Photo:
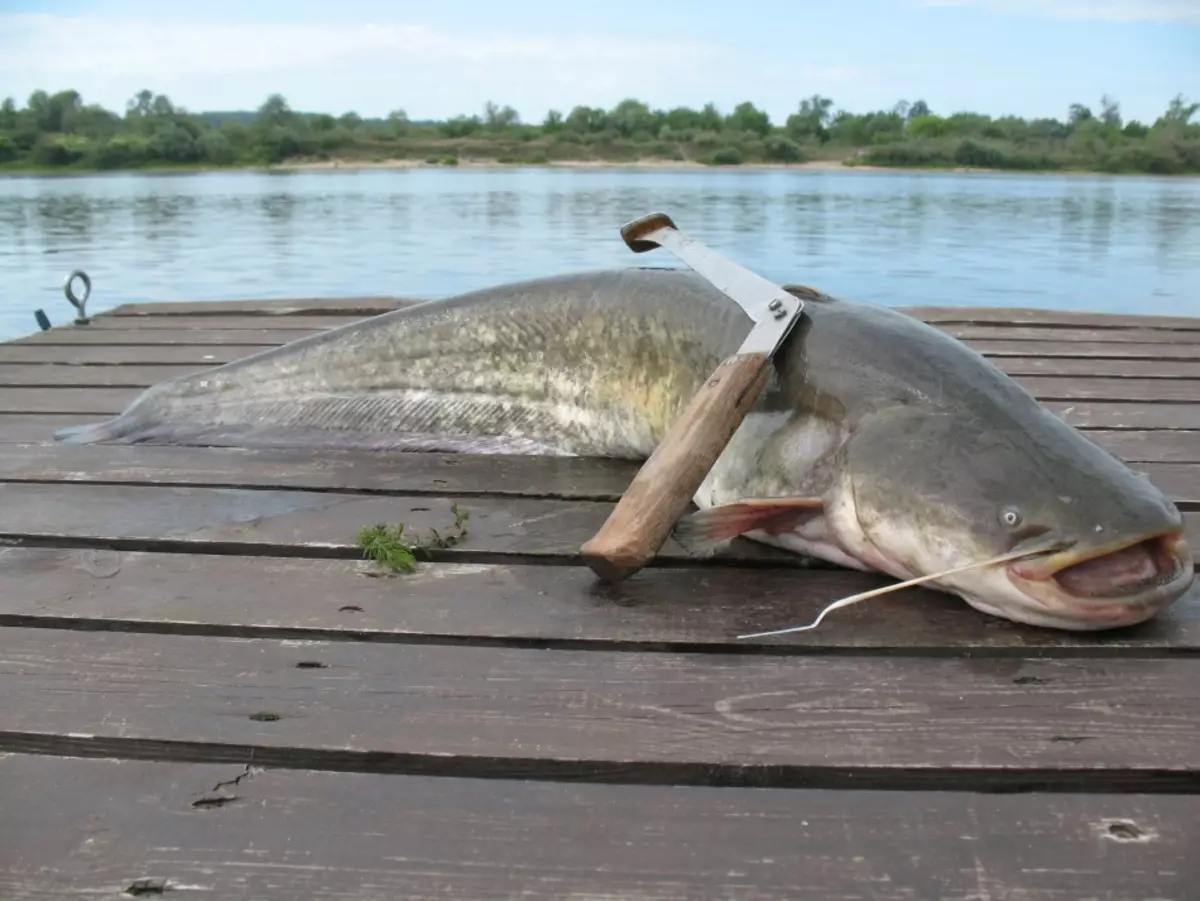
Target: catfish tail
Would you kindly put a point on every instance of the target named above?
(140, 419)
(128, 428)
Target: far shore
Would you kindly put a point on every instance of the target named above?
(662, 165)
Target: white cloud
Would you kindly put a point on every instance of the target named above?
(1185, 11)
(88, 46)
(373, 67)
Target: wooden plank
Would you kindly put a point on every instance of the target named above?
(305, 306)
(309, 322)
(97, 828)
(1050, 355)
(1131, 445)
(571, 478)
(102, 402)
(969, 333)
(1048, 375)
(822, 721)
(1080, 413)
(1083, 350)
(1177, 389)
(1117, 415)
(367, 306)
(1114, 389)
(996, 345)
(380, 472)
(85, 335)
(52, 375)
(100, 355)
(329, 320)
(547, 606)
(1066, 366)
(32, 428)
(1039, 317)
(307, 523)
(1160, 446)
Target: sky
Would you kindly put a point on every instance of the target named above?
(441, 58)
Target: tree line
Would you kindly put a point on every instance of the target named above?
(59, 130)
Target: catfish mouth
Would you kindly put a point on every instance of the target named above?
(1148, 572)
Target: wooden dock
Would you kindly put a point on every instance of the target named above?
(206, 692)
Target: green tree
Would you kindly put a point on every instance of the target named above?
(747, 117)
(60, 129)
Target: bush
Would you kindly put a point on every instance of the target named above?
(906, 154)
(975, 153)
(727, 156)
(783, 150)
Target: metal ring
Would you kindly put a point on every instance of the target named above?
(77, 302)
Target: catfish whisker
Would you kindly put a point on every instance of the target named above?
(886, 589)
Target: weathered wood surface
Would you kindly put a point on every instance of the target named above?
(249, 337)
(1069, 333)
(368, 306)
(1033, 316)
(273, 308)
(1173, 389)
(96, 829)
(198, 355)
(316, 321)
(1048, 375)
(33, 428)
(65, 375)
(685, 608)
(1084, 414)
(1135, 446)
(327, 523)
(991, 347)
(21, 366)
(627, 716)
(209, 609)
(123, 331)
(576, 478)
(132, 337)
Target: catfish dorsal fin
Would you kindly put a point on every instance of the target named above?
(705, 531)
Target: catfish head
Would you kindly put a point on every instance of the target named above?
(923, 491)
(912, 492)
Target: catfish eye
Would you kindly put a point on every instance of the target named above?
(1011, 517)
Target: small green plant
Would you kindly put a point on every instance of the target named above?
(390, 548)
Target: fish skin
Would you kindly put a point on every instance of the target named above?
(595, 364)
(913, 443)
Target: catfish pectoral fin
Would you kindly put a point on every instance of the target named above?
(706, 531)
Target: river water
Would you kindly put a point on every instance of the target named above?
(1117, 244)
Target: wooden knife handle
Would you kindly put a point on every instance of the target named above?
(667, 481)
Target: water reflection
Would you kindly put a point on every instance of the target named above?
(897, 238)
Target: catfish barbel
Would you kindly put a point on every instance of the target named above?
(881, 443)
